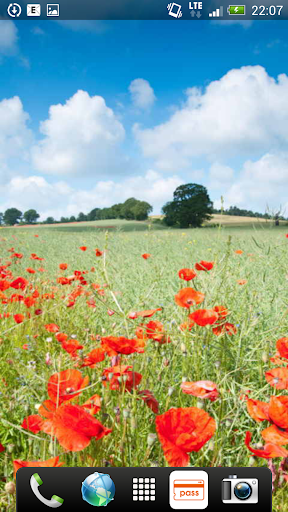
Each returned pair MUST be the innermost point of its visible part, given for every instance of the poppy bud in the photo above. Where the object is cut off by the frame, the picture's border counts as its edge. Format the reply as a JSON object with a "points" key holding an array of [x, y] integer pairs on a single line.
{"points": [[217, 364], [170, 390], [200, 404], [126, 413], [151, 438], [251, 461], [264, 357], [166, 362], [211, 445], [183, 349], [10, 488], [10, 447], [154, 464], [184, 379], [103, 330]]}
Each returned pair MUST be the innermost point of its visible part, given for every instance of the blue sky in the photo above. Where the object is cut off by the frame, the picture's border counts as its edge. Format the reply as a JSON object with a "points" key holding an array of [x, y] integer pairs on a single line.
{"points": [[92, 113]]}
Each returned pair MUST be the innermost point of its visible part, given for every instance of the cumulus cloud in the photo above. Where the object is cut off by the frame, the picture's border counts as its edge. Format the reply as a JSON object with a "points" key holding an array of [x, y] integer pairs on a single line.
{"points": [[8, 37], [80, 137], [15, 135], [260, 183], [60, 199], [243, 113], [142, 94]]}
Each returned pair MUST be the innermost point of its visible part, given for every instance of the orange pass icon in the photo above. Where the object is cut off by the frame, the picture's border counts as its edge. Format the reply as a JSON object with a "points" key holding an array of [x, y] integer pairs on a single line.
{"points": [[188, 490]]}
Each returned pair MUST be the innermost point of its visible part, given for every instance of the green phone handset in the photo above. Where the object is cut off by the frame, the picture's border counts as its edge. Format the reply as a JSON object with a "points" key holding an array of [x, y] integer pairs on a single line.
{"points": [[55, 501]]}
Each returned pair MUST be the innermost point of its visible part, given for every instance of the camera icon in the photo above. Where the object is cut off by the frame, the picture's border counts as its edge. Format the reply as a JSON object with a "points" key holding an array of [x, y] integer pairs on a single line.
{"points": [[239, 490]]}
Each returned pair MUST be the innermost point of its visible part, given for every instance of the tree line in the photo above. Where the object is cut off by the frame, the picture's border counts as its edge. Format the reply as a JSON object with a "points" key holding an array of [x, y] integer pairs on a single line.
{"points": [[190, 207], [131, 209]]}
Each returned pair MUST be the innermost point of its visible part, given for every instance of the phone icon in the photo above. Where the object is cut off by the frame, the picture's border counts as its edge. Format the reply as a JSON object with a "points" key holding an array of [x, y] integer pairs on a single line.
{"points": [[55, 501]]}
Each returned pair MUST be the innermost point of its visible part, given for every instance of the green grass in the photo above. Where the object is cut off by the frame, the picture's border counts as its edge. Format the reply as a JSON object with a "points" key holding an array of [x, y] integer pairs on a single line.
{"points": [[235, 363]]}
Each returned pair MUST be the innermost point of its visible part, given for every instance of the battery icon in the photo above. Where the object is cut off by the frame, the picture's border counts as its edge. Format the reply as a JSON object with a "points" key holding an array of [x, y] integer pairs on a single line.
{"points": [[236, 9]]}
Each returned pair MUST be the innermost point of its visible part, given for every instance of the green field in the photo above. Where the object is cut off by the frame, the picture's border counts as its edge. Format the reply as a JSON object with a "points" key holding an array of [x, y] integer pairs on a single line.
{"points": [[236, 363]]}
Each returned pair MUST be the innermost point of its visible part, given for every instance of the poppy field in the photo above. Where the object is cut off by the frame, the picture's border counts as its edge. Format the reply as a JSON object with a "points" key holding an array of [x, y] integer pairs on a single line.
{"points": [[150, 348]]}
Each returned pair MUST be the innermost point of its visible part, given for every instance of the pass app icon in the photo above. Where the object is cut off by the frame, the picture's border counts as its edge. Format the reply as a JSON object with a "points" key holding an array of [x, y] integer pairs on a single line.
{"points": [[188, 490]]}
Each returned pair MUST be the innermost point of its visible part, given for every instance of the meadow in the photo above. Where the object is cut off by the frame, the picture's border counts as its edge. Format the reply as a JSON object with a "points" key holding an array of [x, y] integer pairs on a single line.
{"points": [[112, 357]]}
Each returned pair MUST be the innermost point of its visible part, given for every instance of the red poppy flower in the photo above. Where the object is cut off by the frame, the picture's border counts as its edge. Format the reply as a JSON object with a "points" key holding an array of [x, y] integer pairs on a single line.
{"points": [[146, 256], [18, 255], [4, 285], [92, 405], [150, 400], [31, 270], [282, 347], [204, 317], [38, 311], [98, 252], [50, 463], [74, 427], [114, 375], [47, 409], [286, 235], [187, 274], [66, 385], [238, 251], [155, 331], [94, 357], [144, 314], [227, 327], [19, 318], [61, 336], [183, 430], [268, 451], [278, 411], [114, 345], [83, 248], [204, 265], [275, 435], [222, 312], [258, 410], [71, 346], [278, 378], [51, 327], [242, 281], [19, 283], [186, 326], [2, 448], [188, 297], [33, 423], [63, 266], [201, 388], [29, 302]]}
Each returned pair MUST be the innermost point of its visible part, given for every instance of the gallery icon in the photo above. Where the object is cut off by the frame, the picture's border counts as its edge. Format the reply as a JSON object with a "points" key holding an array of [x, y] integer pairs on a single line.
{"points": [[52, 9], [33, 9], [144, 489], [174, 10], [188, 490], [14, 10]]}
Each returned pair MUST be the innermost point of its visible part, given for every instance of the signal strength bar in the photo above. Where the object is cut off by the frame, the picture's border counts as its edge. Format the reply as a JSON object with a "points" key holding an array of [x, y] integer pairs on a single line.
{"points": [[216, 14]]}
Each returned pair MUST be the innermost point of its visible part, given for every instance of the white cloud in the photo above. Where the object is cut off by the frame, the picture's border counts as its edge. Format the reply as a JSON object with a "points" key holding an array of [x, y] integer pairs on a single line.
{"points": [[8, 37], [15, 136], [243, 113], [220, 175], [93, 26], [142, 93], [260, 183], [80, 137], [59, 199]]}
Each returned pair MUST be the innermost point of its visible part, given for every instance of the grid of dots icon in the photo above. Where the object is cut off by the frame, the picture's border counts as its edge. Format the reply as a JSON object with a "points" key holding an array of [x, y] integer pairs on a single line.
{"points": [[144, 489]]}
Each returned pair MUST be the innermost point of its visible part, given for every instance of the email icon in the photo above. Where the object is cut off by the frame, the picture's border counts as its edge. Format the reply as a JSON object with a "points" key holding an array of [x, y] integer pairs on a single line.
{"points": [[33, 9]]}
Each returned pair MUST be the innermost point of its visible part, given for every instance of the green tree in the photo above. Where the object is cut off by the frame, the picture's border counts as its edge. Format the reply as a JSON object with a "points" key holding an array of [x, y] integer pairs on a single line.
{"points": [[141, 210], [12, 216], [81, 217], [190, 207], [31, 216], [1, 219], [50, 220], [94, 214]]}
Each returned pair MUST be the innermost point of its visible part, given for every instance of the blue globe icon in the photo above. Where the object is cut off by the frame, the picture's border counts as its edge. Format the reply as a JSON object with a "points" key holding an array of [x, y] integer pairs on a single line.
{"points": [[98, 489]]}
